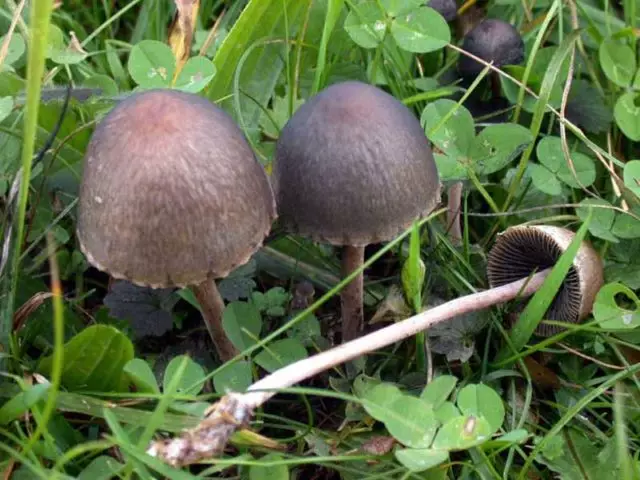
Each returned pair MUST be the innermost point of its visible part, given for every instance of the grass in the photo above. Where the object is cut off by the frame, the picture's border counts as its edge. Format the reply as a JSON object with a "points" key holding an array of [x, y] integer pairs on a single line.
{"points": [[77, 405]]}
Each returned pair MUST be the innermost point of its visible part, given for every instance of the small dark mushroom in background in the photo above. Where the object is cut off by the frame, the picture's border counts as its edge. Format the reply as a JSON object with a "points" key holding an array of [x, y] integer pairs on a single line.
{"points": [[353, 167], [172, 196], [520, 250], [492, 40], [447, 8]]}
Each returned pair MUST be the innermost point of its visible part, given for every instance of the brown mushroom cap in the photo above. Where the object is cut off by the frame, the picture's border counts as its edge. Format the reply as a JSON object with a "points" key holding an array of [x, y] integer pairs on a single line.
{"points": [[353, 166], [171, 192], [521, 249]]}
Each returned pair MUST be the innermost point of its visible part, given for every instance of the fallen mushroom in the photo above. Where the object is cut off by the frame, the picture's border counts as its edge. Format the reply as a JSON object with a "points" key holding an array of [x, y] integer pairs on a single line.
{"points": [[521, 250], [172, 196], [492, 40], [235, 410], [353, 167]]}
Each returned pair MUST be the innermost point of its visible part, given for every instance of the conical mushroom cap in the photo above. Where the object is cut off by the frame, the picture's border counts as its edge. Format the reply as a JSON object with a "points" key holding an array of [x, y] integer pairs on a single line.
{"points": [[171, 193], [491, 40], [521, 249], [353, 166]]}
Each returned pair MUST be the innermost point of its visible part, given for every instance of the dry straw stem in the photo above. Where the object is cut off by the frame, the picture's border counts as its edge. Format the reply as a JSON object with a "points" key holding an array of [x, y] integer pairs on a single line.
{"points": [[234, 410]]}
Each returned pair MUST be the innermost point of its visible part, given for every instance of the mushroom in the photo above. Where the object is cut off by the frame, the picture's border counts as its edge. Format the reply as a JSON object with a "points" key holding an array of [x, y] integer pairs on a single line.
{"points": [[492, 40], [520, 250], [172, 196], [447, 8], [353, 167], [527, 248]]}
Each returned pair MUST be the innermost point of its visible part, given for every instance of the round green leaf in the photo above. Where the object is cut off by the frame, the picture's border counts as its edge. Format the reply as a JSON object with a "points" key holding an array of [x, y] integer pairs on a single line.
{"points": [[94, 359], [462, 432], [16, 48], [420, 459], [618, 62], [482, 401], [280, 353], [550, 154], [632, 176], [412, 421], [141, 375], [438, 390], [195, 75], [191, 379], [151, 64], [61, 53], [421, 31], [377, 400], [449, 168], [6, 107], [455, 135], [497, 146], [609, 314], [233, 378], [104, 82], [627, 115], [544, 180], [18, 405], [446, 412], [242, 323], [601, 220], [306, 330], [626, 226], [366, 24], [398, 7], [269, 472]]}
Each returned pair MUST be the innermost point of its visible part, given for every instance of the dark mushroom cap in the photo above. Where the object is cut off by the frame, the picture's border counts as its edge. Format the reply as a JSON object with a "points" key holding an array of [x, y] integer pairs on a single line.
{"points": [[521, 250], [353, 166], [447, 8], [491, 40], [171, 192]]}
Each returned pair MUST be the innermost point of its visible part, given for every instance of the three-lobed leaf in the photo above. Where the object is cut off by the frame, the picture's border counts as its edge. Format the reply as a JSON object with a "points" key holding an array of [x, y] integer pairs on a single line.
{"points": [[497, 146], [151, 64]]}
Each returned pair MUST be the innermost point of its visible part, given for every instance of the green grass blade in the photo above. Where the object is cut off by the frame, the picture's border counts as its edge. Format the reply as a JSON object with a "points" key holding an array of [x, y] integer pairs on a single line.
{"points": [[541, 106]]}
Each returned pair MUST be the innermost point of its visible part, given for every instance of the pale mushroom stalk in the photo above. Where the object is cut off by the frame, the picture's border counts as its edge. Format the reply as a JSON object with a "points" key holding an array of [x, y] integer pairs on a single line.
{"points": [[234, 410], [454, 203], [351, 296], [520, 261], [212, 308]]}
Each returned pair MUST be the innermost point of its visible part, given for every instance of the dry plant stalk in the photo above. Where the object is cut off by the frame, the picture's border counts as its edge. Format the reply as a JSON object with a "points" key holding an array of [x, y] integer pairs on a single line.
{"points": [[181, 30], [234, 410]]}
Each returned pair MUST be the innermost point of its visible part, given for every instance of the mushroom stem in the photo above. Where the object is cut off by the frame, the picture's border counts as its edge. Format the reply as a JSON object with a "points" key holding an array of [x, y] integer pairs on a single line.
{"points": [[212, 306], [352, 294], [454, 201], [496, 87], [234, 410]]}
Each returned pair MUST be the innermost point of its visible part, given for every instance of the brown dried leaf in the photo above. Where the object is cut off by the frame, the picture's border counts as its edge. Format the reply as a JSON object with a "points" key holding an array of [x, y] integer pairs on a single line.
{"points": [[181, 31], [542, 376], [29, 307], [379, 445], [393, 308], [75, 45]]}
